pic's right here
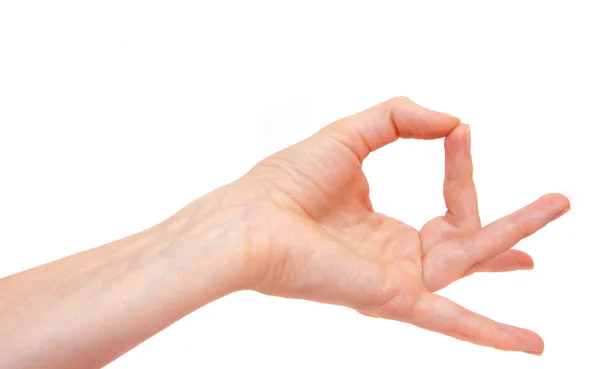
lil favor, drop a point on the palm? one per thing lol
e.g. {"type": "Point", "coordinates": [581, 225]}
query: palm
{"type": "Point", "coordinates": [334, 248]}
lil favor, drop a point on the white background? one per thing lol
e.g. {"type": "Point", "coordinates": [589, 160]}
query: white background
{"type": "Point", "coordinates": [115, 114]}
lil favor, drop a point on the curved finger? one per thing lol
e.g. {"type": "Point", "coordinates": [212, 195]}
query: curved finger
{"type": "Point", "coordinates": [439, 314]}
{"type": "Point", "coordinates": [450, 261]}
{"type": "Point", "coordinates": [459, 189]}
{"type": "Point", "coordinates": [460, 196]}
{"type": "Point", "coordinates": [382, 124]}
{"type": "Point", "coordinates": [508, 261]}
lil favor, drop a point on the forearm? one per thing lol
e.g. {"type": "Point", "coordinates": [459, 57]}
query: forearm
{"type": "Point", "coordinates": [87, 309]}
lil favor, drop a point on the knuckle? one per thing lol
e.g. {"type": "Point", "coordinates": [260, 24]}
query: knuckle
{"type": "Point", "coordinates": [518, 227]}
{"type": "Point", "coordinates": [514, 225]}
{"type": "Point", "coordinates": [501, 335]}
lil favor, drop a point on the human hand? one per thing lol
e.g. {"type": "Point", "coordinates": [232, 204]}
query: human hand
{"type": "Point", "coordinates": [314, 235]}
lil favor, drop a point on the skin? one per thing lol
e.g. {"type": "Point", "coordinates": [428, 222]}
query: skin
{"type": "Point", "coordinates": [300, 225]}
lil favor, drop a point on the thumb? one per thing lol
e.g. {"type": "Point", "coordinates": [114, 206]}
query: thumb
{"type": "Point", "coordinates": [382, 124]}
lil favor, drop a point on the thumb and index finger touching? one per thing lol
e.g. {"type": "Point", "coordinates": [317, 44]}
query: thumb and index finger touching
{"type": "Point", "coordinates": [399, 117]}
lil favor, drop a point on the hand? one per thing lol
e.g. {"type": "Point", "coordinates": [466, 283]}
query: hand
{"type": "Point", "coordinates": [314, 234]}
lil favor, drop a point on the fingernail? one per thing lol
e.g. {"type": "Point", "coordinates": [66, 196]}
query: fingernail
{"type": "Point", "coordinates": [452, 116]}
{"type": "Point", "coordinates": [533, 353]}
{"type": "Point", "coordinates": [468, 137]}
{"type": "Point", "coordinates": [560, 214]}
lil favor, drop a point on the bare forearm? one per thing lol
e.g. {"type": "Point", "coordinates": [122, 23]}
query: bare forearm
{"type": "Point", "coordinates": [85, 310]}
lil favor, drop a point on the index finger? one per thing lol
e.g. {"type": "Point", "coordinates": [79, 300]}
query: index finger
{"type": "Point", "coordinates": [460, 194]}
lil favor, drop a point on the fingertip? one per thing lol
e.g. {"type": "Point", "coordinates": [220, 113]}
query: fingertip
{"type": "Point", "coordinates": [527, 263]}
{"type": "Point", "coordinates": [458, 135]}
{"type": "Point", "coordinates": [558, 198]}
{"type": "Point", "coordinates": [563, 200]}
{"type": "Point", "coordinates": [433, 124]}
{"type": "Point", "coordinates": [403, 101]}
{"type": "Point", "coordinates": [520, 339]}
{"type": "Point", "coordinates": [524, 260]}
{"type": "Point", "coordinates": [430, 124]}
{"type": "Point", "coordinates": [446, 121]}
{"type": "Point", "coordinates": [460, 130]}
{"type": "Point", "coordinates": [532, 343]}
{"type": "Point", "coordinates": [558, 203]}
{"type": "Point", "coordinates": [453, 120]}
{"type": "Point", "coordinates": [542, 344]}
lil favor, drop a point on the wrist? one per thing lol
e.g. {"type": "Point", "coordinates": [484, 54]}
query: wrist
{"type": "Point", "coordinates": [207, 242]}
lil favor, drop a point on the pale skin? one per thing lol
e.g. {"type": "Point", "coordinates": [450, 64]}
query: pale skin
{"type": "Point", "coordinates": [299, 224]}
